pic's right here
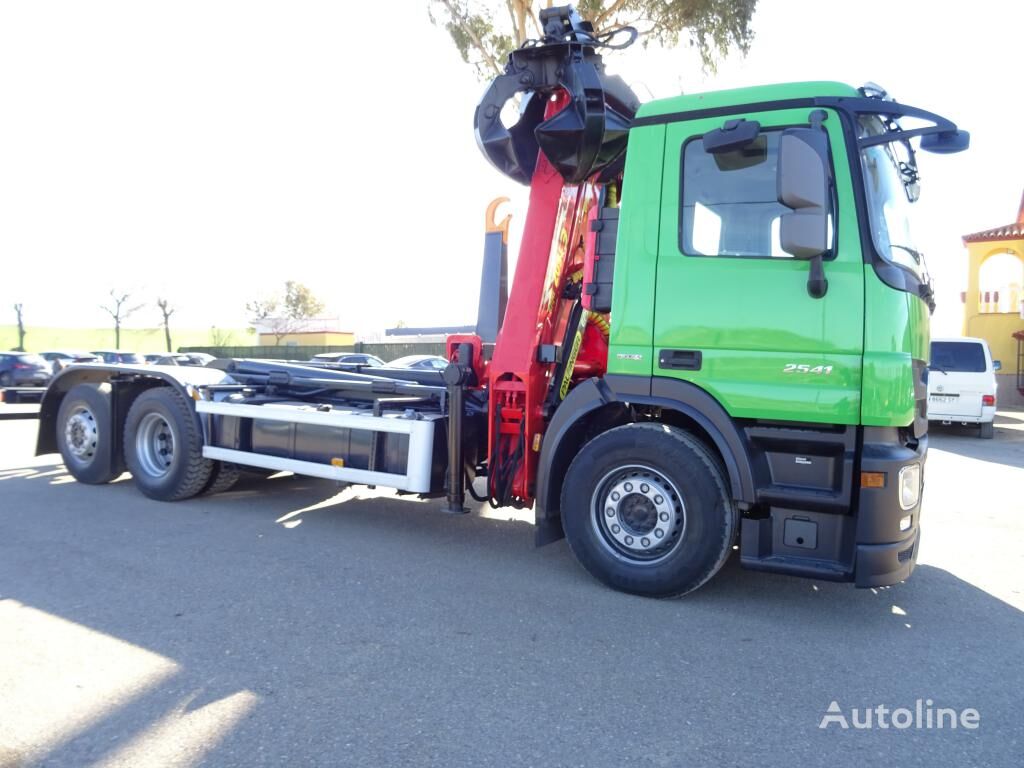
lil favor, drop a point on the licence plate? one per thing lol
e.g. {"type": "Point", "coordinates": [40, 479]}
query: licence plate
{"type": "Point", "coordinates": [942, 398]}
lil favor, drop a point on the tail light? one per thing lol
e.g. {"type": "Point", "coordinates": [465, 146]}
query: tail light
{"type": "Point", "coordinates": [988, 399]}
{"type": "Point", "coordinates": [21, 367]}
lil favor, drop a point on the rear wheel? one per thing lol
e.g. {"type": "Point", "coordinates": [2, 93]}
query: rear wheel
{"type": "Point", "coordinates": [84, 436]}
{"type": "Point", "coordinates": [646, 510]}
{"type": "Point", "coordinates": [987, 430]}
{"type": "Point", "coordinates": [163, 446]}
{"type": "Point", "coordinates": [222, 478]}
{"type": "Point", "coordinates": [5, 379]}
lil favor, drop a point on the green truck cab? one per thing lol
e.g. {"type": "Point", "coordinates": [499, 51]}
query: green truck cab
{"type": "Point", "coordinates": [767, 300]}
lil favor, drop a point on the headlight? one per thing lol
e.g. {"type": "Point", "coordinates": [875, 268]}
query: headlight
{"type": "Point", "coordinates": [910, 486]}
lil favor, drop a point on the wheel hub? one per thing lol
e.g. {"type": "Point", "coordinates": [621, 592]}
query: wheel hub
{"type": "Point", "coordinates": [154, 445]}
{"type": "Point", "coordinates": [639, 513]}
{"type": "Point", "coordinates": [80, 434]}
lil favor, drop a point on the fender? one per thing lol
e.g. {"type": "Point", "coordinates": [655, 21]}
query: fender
{"type": "Point", "coordinates": [179, 377]}
{"type": "Point", "coordinates": [670, 394]}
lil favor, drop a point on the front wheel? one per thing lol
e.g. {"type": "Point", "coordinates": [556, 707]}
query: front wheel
{"type": "Point", "coordinates": [163, 446]}
{"type": "Point", "coordinates": [646, 510]}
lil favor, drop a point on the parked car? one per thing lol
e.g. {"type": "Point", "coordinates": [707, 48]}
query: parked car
{"type": "Point", "coordinates": [23, 369]}
{"type": "Point", "coordinates": [118, 356]}
{"type": "Point", "coordinates": [61, 359]}
{"type": "Point", "coordinates": [152, 358]}
{"type": "Point", "coordinates": [348, 359]}
{"type": "Point", "coordinates": [962, 383]}
{"type": "Point", "coordinates": [420, 363]}
{"type": "Point", "coordinates": [194, 359]}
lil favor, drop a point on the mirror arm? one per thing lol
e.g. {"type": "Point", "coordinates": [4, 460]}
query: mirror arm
{"type": "Point", "coordinates": [817, 283]}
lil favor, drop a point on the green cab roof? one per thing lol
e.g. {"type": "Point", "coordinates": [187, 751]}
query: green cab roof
{"type": "Point", "coordinates": [738, 96]}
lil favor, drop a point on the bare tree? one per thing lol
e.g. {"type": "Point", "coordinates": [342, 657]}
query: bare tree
{"type": "Point", "coordinates": [287, 313]}
{"type": "Point", "coordinates": [220, 338]}
{"type": "Point", "coordinates": [19, 310]}
{"type": "Point", "coordinates": [166, 311]}
{"type": "Point", "coordinates": [264, 313]}
{"type": "Point", "coordinates": [119, 312]}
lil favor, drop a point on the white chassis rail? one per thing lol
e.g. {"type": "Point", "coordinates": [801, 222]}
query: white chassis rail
{"type": "Point", "coordinates": [418, 464]}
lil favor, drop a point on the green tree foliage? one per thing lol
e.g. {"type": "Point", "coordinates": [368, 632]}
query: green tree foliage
{"type": "Point", "coordinates": [484, 31]}
{"type": "Point", "coordinates": [299, 301]}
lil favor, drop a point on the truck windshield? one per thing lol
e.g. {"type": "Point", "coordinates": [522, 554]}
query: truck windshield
{"type": "Point", "coordinates": [889, 203]}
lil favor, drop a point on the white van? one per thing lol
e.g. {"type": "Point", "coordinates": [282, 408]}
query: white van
{"type": "Point", "coordinates": [962, 383]}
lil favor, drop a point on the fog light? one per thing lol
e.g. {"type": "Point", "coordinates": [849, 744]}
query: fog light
{"type": "Point", "coordinates": [910, 486]}
{"type": "Point", "coordinates": [905, 522]}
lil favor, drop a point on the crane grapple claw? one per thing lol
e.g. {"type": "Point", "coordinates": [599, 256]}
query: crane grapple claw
{"type": "Point", "coordinates": [588, 136]}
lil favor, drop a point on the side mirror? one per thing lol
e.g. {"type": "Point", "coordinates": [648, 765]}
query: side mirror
{"type": "Point", "coordinates": [997, 365]}
{"type": "Point", "coordinates": [802, 185]}
{"type": "Point", "coordinates": [946, 143]}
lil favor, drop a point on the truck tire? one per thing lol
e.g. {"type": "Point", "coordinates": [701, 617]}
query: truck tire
{"type": "Point", "coordinates": [84, 435]}
{"type": "Point", "coordinates": [163, 446]}
{"type": "Point", "coordinates": [646, 510]}
{"type": "Point", "coordinates": [987, 430]}
{"type": "Point", "coordinates": [222, 478]}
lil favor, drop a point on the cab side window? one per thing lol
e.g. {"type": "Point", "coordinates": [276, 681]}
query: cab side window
{"type": "Point", "coordinates": [729, 203]}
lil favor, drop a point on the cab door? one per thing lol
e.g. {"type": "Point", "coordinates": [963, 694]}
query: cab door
{"type": "Point", "coordinates": [732, 310]}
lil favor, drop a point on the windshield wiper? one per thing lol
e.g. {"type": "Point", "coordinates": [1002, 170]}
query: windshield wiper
{"type": "Point", "coordinates": [915, 254]}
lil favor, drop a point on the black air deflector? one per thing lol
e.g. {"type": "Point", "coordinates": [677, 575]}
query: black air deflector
{"type": "Point", "coordinates": [597, 288]}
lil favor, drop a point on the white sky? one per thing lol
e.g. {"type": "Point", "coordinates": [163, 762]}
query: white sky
{"type": "Point", "coordinates": [208, 151]}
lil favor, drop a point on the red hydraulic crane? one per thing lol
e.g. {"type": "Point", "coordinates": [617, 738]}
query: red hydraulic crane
{"type": "Point", "coordinates": [569, 147]}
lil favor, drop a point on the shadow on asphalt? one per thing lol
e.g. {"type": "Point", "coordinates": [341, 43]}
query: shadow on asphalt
{"type": "Point", "coordinates": [1006, 447]}
{"type": "Point", "coordinates": [401, 586]}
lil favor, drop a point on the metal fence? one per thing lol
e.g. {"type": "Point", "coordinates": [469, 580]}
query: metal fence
{"type": "Point", "coordinates": [386, 352]}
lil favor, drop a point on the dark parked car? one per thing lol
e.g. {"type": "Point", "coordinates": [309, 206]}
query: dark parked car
{"type": "Point", "coordinates": [420, 363]}
{"type": "Point", "coordinates": [61, 359]}
{"type": "Point", "coordinates": [117, 356]}
{"type": "Point", "coordinates": [22, 369]}
{"type": "Point", "coordinates": [194, 359]}
{"type": "Point", "coordinates": [348, 359]}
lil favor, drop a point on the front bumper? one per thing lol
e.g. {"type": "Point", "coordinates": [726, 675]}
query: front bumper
{"type": "Point", "coordinates": [873, 542]}
{"type": "Point", "coordinates": [884, 553]}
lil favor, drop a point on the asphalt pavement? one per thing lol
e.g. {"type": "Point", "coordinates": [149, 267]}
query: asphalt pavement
{"type": "Point", "coordinates": [290, 623]}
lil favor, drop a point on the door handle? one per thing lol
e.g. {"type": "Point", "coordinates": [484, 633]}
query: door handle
{"type": "Point", "coordinates": [679, 359]}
